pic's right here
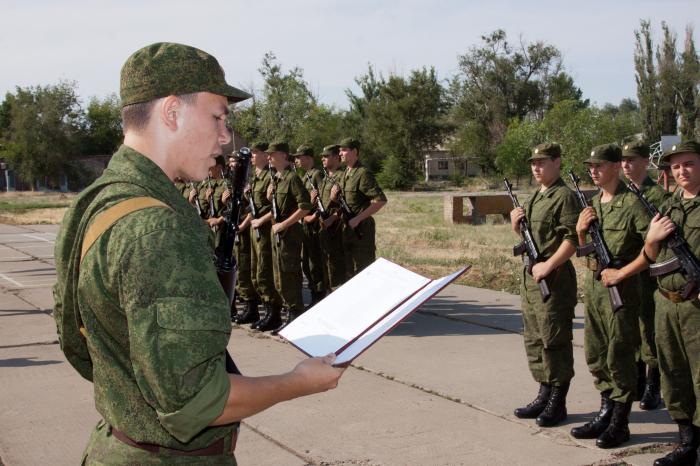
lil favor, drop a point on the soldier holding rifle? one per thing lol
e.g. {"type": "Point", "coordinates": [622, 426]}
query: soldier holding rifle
{"type": "Point", "coordinates": [547, 319]}
{"type": "Point", "coordinates": [611, 336]}
{"type": "Point", "coordinates": [635, 162]}
{"type": "Point", "coordinates": [674, 239]}
{"type": "Point", "coordinates": [331, 234]}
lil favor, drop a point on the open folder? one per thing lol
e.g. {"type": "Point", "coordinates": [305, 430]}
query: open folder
{"type": "Point", "coordinates": [361, 311]}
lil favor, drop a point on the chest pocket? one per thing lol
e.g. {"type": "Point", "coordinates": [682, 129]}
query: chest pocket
{"type": "Point", "coordinates": [615, 228]}
{"type": "Point", "coordinates": [352, 193]}
{"type": "Point", "coordinates": [691, 232]}
{"type": "Point", "coordinates": [283, 199]}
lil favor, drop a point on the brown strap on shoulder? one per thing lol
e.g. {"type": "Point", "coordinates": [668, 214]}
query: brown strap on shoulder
{"type": "Point", "coordinates": [110, 216]}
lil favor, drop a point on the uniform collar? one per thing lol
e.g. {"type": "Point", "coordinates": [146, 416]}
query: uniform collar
{"type": "Point", "coordinates": [549, 192]}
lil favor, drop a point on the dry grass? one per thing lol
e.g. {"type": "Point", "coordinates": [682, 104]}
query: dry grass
{"type": "Point", "coordinates": [26, 208]}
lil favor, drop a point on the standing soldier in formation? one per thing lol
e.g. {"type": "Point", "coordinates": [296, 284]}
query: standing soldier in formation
{"type": "Point", "coordinates": [293, 203]}
{"type": "Point", "coordinates": [261, 245]}
{"type": "Point", "coordinates": [552, 213]}
{"type": "Point", "coordinates": [678, 317]}
{"type": "Point", "coordinates": [311, 258]}
{"type": "Point", "coordinates": [364, 198]}
{"type": "Point", "coordinates": [635, 162]}
{"type": "Point", "coordinates": [245, 291]}
{"type": "Point", "coordinates": [331, 233]}
{"type": "Point", "coordinates": [611, 339]}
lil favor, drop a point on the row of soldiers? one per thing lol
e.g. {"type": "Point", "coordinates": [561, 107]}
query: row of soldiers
{"type": "Point", "coordinates": [299, 220]}
{"type": "Point", "coordinates": [653, 337]}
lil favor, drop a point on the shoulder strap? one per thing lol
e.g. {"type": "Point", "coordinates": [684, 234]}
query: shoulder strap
{"type": "Point", "coordinates": [110, 216]}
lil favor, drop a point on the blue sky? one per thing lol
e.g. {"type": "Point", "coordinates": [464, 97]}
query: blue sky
{"type": "Point", "coordinates": [332, 41]}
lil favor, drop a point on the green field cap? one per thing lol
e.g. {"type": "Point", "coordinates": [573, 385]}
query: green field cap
{"type": "Point", "coordinates": [350, 143]}
{"type": "Point", "coordinates": [680, 148]}
{"type": "Point", "coordinates": [304, 150]}
{"type": "Point", "coordinates": [605, 153]}
{"type": "Point", "coordinates": [333, 149]}
{"type": "Point", "coordinates": [163, 69]}
{"type": "Point", "coordinates": [260, 145]}
{"type": "Point", "coordinates": [635, 149]}
{"type": "Point", "coordinates": [278, 146]}
{"type": "Point", "coordinates": [546, 150]}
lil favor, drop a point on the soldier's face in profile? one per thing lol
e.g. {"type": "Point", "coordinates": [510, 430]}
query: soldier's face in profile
{"type": "Point", "coordinates": [278, 160]}
{"type": "Point", "coordinates": [201, 131]}
{"type": "Point", "coordinates": [603, 172]}
{"type": "Point", "coordinates": [634, 167]}
{"type": "Point", "coordinates": [259, 158]}
{"type": "Point", "coordinates": [348, 156]}
{"type": "Point", "coordinates": [330, 162]}
{"type": "Point", "coordinates": [686, 170]}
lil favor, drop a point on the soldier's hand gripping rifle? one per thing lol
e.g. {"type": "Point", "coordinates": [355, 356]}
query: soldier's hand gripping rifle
{"type": "Point", "coordinates": [322, 212]}
{"type": "Point", "coordinates": [527, 248]}
{"type": "Point", "coordinates": [253, 212]}
{"type": "Point", "coordinates": [197, 204]}
{"type": "Point", "coordinates": [597, 246]}
{"type": "Point", "coordinates": [236, 179]}
{"type": "Point", "coordinates": [685, 260]}
{"type": "Point", "coordinates": [276, 214]}
{"type": "Point", "coordinates": [345, 209]}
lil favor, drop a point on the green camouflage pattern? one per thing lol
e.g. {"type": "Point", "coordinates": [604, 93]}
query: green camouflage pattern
{"type": "Point", "coordinates": [611, 340]}
{"type": "Point", "coordinates": [685, 213]}
{"type": "Point", "coordinates": [635, 149]}
{"type": "Point", "coordinates": [680, 148]}
{"type": "Point", "coordinates": [605, 153]}
{"type": "Point", "coordinates": [548, 334]}
{"type": "Point", "coordinates": [678, 345]}
{"type": "Point", "coordinates": [261, 249]}
{"type": "Point", "coordinates": [331, 239]}
{"type": "Point", "coordinates": [311, 257]}
{"type": "Point", "coordinates": [164, 68]}
{"type": "Point", "coordinates": [360, 188]}
{"type": "Point", "coordinates": [546, 150]}
{"type": "Point", "coordinates": [157, 319]}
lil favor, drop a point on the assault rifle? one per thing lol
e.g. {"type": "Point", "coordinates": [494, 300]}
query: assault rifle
{"type": "Point", "coordinates": [253, 212]}
{"type": "Point", "coordinates": [527, 247]}
{"type": "Point", "coordinates": [322, 212]}
{"type": "Point", "coordinates": [212, 211]}
{"type": "Point", "coordinates": [197, 204]}
{"type": "Point", "coordinates": [345, 209]}
{"type": "Point", "coordinates": [685, 260]}
{"type": "Point", "coordinates": [597, 246]}
{"type": "Point", "coordinates": [275, 208]}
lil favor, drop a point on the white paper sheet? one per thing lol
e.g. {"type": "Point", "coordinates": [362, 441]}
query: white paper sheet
{"type": "Point", "coordinates": [351, 309]}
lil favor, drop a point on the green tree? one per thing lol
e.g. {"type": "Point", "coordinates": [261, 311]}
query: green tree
{"type": "Point", "coordinates": [102, 126]}
{"type": "Point", "coordinates": [668, 76]}
{"type": "Point", "coordinates": [514, 150]}
{"type": "Point", "coordinates": [688, 83]}
{"type": "Point", "coordinates": [646, 79]}
{"type": "Point", "coordinates": [43, 134]}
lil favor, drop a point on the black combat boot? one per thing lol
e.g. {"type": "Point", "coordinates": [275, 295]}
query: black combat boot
{"type": "Point", "coordinates": [250, 314]}
{"type": "Point", "coordinates": [685, 452]}
{"type": "Point", "coordinates": [536, 406]}
{"type": "Point", "coordinates": [267, 307]}
{"type": "Point", "coordinates": [599, 423]}
{"type": "Point", "coordinates": [234, 312]}
{"type": "Point", "coordinates": [618, 432]}
{"type": "Point", "coordinates": [272, 320]}
{"type": "Point", "coordinates": [652, 393]}
{"type": "Point", "coordinates": [555, 411]}
{"type": "Point", "coordinates": [291, 315]}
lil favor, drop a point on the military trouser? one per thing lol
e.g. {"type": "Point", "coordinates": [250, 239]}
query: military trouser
{"type": "Point", "coordinates": [333, 254]}
{"type": "Point", "coordinates": [104, 448]}
{"type": "Point", "coordinates": [612, 339]}
{"type": "Point", "coordinates": [678, 345]}
{"type": "Point", "coordinates": [359, 251]}
{"type": "Point", "coordinates": [311, 258]}
{"type": "Point", "coordinates": [286, 260]}
{"type": "Point", "coordinates": [548, 327]}
{"type": "Point", "coordinates": [244, 281]}
{"type": "Point", "coordinates": [647, 350]}
{"type": "Point", "coordinates": [262, 273]}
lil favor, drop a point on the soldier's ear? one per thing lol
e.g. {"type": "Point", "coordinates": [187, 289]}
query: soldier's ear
{"type": "Point", "coordinates": [169, 110]}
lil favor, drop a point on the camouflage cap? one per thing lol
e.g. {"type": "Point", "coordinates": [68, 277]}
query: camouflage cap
{"type": "Point", "coordinates": [350, 143]}
{"type": "Point", "coordinates": [635, 149]}
{"type": "Point", "coordinates": [278, 146]}
{"type": "Point", "coordinates": [304, 150]}
{"type": "Point", "coordinates": [605, 153]}
{"type": "Point", "coordinates": [260, 145]}
{"type": "Point", "coordinates": [546, 150]}
{"type": "Point", "coordinates": [165, 68]}
{"type": "Point", "coordinates": [333, 149]}
{"type": "Point", "coordinates": [681, 148]}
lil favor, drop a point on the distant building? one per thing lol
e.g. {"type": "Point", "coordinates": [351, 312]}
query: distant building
{"type": "Point", "coordinates": [441, 164]}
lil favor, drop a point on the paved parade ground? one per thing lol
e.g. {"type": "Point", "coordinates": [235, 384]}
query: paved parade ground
{"type": "Point", "coordinates": [438, 390]}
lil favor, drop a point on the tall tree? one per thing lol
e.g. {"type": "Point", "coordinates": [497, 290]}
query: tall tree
{"type": "Point", "coordinates": [646, 79]}
{"type": "Point", "coordinates": [668, 77]}
{"type": "Point", "coordinates": [688, 83]}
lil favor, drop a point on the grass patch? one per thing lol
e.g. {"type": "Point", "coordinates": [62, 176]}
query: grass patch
{"type": "Point", "coordinates": [22, 208]}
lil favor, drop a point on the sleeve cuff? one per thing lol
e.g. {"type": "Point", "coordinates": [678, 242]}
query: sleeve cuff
{"type": "Point", "coordinates": [305, 206]}
{"type": "Point", "coordinates": [200, 411]}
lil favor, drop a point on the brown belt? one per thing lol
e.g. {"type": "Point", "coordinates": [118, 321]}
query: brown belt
{"type": "Point", "coordinates": [216, 448]}
{"type": "Point", "coordinates": [672, 296]}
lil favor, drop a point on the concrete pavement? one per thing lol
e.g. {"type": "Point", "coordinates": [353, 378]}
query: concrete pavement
{"type": "Point", "coordinates": [439, 389]}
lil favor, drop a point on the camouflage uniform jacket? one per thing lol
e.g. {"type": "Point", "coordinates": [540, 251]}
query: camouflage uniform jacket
{"type": "Point", "coordinates": [325, 187]}
{"type": "Point", "coordinates": [258, 188]}
{"type": "Point", "coordinates": [157, 319]}
{"type": "Point", "coordinates": [291, 193]}
{"type": "Point", "coordinates": [685, 213]}
{"type": "Point", "coordinates": [360, 188]}
{"type": "Point", "coordinates": [553, 215]}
